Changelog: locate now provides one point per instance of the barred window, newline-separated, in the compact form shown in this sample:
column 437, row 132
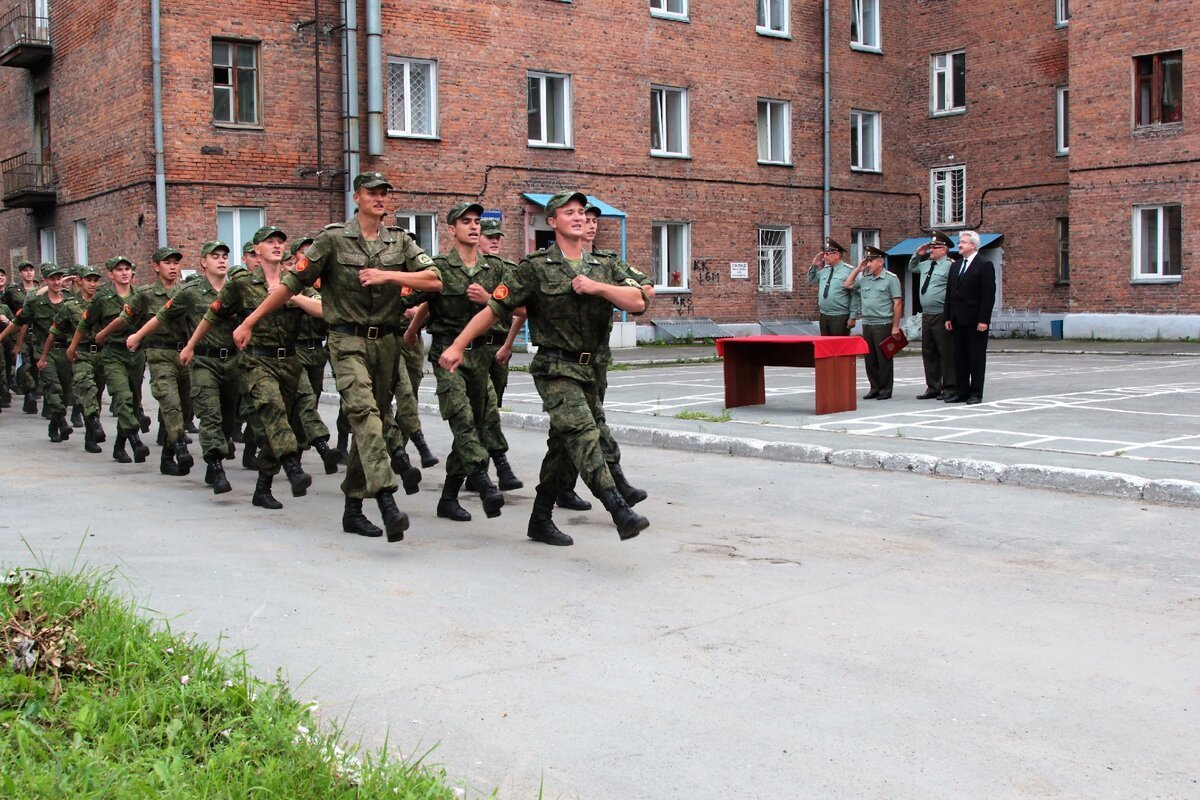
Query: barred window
column 412, row 97
column 775, row 257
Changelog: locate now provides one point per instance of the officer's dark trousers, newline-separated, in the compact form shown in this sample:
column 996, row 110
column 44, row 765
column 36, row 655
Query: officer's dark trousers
column 970, row 360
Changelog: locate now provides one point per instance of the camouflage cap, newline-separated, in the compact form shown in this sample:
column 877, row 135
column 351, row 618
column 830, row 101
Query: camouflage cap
column 112, row 263
column 49, row 270
column 296, row 245
column 24, row 264
column 462, row 208
column 88, row 271
column 370, row 180
column 592, row 208
column 212, row 244
column 490, row 227
column 163, row 253
column 247, row 248
column 560, row 199
column 266, row 231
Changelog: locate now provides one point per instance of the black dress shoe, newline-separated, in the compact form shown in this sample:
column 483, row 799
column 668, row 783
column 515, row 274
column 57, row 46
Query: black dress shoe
column 954, row 398
column 974, row 401
column 870, row 395
column 883, row 397
column 944, row 396
column 930, row 394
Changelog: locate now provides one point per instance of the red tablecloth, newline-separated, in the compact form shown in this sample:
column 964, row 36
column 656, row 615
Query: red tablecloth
column 823, row 346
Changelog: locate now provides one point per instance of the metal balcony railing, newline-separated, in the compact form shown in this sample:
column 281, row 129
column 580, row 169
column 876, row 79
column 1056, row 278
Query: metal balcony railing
column 23, row 25
column 25, row 177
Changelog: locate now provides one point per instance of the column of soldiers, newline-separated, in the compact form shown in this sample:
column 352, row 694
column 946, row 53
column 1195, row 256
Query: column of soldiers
column 247, row 347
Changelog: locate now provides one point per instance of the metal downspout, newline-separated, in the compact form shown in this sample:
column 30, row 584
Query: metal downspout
column 374, row 13
column 160, row 172
column 825, row 188
column 350, row 99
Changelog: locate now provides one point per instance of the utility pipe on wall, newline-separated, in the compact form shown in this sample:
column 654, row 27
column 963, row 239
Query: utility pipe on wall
column 374, row 77
column 350, row 134
column 826, row 100
column 160, row 171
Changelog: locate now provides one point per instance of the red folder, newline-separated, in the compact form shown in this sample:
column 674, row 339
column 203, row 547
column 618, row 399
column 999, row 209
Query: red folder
column 893, row 344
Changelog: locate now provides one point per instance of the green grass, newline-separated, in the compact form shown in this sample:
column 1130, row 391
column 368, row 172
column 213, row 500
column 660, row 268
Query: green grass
column 705, row 416
column 98, row 702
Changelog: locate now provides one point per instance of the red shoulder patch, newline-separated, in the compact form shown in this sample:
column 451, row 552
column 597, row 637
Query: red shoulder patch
column 128, row 309
column 216, row 305
column 301, row 264
column 170, row 303
column 501, row 292
column 405, row 291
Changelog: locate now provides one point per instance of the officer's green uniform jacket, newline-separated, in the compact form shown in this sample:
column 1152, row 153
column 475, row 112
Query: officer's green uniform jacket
column 245, row 292
column 337, row 255
column 558, row 317
column 933, row 290
column 146, row 303
column 106, row 306
column 450, row 310
column 833, row 299
column 876, row 295
column 185, row 310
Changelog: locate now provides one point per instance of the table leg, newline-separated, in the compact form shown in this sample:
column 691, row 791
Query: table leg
column 744, row 383
column 835, row 386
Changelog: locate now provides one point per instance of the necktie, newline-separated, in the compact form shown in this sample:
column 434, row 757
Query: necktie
column 928, row 276
column 829, row 282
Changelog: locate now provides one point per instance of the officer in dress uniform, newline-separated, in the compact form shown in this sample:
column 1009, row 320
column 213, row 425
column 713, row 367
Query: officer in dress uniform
column 838, row 305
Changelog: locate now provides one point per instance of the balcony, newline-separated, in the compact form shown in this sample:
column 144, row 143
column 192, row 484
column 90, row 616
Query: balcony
column 27, row 183
column 25, row 35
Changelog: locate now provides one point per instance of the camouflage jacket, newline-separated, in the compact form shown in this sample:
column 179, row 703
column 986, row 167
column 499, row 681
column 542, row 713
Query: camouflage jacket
column 106, row 306
column 187, row 307
column 450, row 310
column 245, row 292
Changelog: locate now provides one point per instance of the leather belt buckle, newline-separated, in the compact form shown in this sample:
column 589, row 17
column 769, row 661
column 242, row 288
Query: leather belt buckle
column 281, row 352
column 179, row 346
column 93, row 348
column 585, row 359
column 470, row 345
column 373, row 332
column 223, row 353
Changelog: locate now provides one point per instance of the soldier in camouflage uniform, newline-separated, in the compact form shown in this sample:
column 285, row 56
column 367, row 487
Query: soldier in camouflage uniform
column 569, row 296
column 87, row 374
column 406, row 425
column 361, row 265
column 14, row 297
column 32, row 329
column 6, row 315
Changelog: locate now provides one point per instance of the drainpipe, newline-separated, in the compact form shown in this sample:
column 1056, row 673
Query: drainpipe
column 374, row 77
column 160, row 172
column 825, row 221
column 350, row 98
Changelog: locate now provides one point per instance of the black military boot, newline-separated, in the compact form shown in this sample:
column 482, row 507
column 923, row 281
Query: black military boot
column 214, row 476
column 355, row 521
column 632, row 495
column 30, row 404
column 77, row 416
column 237, row 434
column 64, row 429
column 189, row 426
column 329, row 456
column 410, row 476
column 119, row 454
column 571, row 501
column 98, row 429
column 395, row 521
column 89, row 438
column 297, row 477
column 143, row 421
column 343, row 440
column 629, row 523
column 493, row 501
column 448, row 507
column 55, row 433
column 504, row 474
column 160, row 438
column 428, row 459
column 541, row 525
column 140, row 451
column 166, row 462
column 182, row 457
column 262, row 493
column 249, row 449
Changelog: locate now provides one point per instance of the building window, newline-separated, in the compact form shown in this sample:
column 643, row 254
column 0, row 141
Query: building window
column 235, row 227
column 81, row 241
column 774, row 132
column 948, row 93
column 47, row 246
column 235, row 82
column 865, row 141
column 670, row 9
column 412, row 97
column 1062, row 250
column 1062, row 12
column 948, row 196
column 422, row 227
column 1157, row 243
column 668, row 121
column 860, row 238
column 1159, row 88
column 549, row 109
column 1062, row 125
column 773, row 17
column 671, row 255
column 775, row 257
column 864, row 24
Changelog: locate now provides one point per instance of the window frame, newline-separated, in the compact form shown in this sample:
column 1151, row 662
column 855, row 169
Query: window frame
column 47, row 245
column 1062, row 250
column 859, row 238
column 786, row 285
column 948, row 71
column 406, row 63
column 787, row 131
column 1062, row 13
column 402, row 217
column 766, row 30
column 80, row 232
column 1062, row 120
column 934, row 220
column 664, row 116
column 856, row 127
column 660, row 229
column 233, row 43
column 856, row 22
column 1155, row 81
column 1137, row 276
column 239, row 238
column 568, row 98
column 663, row 13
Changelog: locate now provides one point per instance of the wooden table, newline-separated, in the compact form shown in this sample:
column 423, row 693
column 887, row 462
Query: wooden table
column 833, row 357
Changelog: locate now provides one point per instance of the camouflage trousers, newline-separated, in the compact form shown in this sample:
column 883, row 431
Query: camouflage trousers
column 272, row 384
column 88, row 378
column 57, row 382
column 313, row 360
column 573, row 446
column 407, row 419
column 123, row 374
column 216, row 396
column 608, row 445
column 170, row 384
column 364, row 373
column 468, row 403
column 305, row 417
column 27, row 375
column 497, row 372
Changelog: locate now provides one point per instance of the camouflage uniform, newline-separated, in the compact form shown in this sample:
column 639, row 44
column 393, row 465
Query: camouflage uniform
column 38, row 313
column 24, row 376
column 123, row 370
column 169, row 381
column 87, row 373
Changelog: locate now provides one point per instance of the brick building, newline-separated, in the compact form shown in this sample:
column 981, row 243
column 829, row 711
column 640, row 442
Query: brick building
column 700, row 122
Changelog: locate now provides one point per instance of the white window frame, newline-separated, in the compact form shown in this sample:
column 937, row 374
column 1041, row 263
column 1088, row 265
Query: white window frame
column 763, row 18
column 660, row 231
column 660, row 9
column 1062, row 13
column 658, row 107
column 946, row 72
column 876, row 32
column 1157, row 276
column 81, row 242
column 786, row 111
column 942, row 177
column 48, row 245
column 418, row 221
column 542, row 78
column 239, row 237
column 1062, row 120
column 400, row 69
column 764, row 251
column 876, row 140
column 860, row 238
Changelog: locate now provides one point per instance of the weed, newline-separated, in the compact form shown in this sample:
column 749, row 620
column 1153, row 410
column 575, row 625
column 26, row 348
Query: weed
column 704, row 415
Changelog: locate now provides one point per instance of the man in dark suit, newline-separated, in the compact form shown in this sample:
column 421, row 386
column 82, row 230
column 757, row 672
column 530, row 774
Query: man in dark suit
column 970, row 296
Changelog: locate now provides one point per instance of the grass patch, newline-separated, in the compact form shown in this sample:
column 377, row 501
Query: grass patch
column 704, row 415
column 97, row 702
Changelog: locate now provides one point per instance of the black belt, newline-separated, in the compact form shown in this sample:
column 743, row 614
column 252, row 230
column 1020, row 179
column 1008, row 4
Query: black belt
column 309, row 344
column 271, row 352
column 223, row 353
column 365, row 331
column 57, row 345
column 445, row 340
column 176, row 346
column 565, row 355
column 88, row 347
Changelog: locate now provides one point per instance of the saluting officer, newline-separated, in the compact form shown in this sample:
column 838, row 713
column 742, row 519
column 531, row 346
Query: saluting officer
column 838, row 305
column 937, row 343
column 879, row 295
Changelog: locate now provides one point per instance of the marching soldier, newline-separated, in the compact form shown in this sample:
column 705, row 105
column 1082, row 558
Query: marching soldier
column 32, row 329
column 87, row 373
